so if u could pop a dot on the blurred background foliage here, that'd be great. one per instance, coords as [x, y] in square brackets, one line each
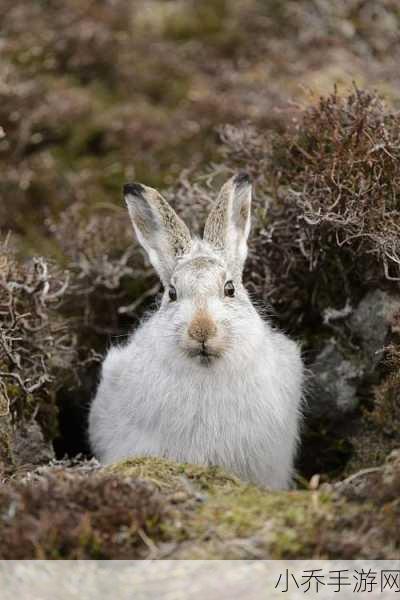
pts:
[94, 93]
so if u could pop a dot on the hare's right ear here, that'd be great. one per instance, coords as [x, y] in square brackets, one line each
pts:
[228, 225]
[160, 231]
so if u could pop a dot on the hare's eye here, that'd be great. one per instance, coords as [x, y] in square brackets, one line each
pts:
[229, 289]
[172, 293]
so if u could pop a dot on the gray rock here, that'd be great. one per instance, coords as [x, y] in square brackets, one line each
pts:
[335, 375]
[334, 383]
[371, 323]
[22, 447]
[30, 447]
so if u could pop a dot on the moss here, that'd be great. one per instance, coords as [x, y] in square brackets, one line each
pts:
[214, 511]
[154, 508]
[283, 522]
[169, 475]
[235, 520]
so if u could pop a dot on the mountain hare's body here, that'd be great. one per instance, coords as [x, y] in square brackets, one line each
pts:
[204, 380]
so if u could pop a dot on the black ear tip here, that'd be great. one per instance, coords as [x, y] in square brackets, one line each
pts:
[242, 178]
[133, 189]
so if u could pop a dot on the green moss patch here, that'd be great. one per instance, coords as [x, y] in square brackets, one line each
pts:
[151, 508]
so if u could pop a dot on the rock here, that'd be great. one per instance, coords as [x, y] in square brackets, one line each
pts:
[371, 323]
[29, 446]
[334, 383]
[336, 375]
[22, 447]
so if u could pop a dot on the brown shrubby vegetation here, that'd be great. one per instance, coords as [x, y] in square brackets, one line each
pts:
[37, 346]
[107, 270]
[377, 432]
[328, 199]
[153, 508]
[38, 356]
[68, 514]
[386, 412]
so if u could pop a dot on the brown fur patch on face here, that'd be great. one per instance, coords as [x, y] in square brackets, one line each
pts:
[201, 263]
[199, 266]
[202, 326]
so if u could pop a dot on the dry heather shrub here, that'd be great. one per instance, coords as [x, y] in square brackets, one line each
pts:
[378, 430]
[365, 525]
[77, 516]
[109, 276]
[36, 344]
[386, 411]
[328, 203]
[54, 323]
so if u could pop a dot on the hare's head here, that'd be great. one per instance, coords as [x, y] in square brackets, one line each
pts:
[207, 308]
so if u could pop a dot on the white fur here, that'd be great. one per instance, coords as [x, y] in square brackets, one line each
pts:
[240, 410]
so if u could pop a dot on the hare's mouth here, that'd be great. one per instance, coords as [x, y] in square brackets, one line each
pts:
[204, 356]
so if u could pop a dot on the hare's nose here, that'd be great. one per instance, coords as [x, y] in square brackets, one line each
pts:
[202, 327]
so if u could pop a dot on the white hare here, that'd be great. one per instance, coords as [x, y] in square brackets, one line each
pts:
[205, 379]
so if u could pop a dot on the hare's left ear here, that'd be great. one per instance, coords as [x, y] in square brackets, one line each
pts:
[158, 228]
[228, 225]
